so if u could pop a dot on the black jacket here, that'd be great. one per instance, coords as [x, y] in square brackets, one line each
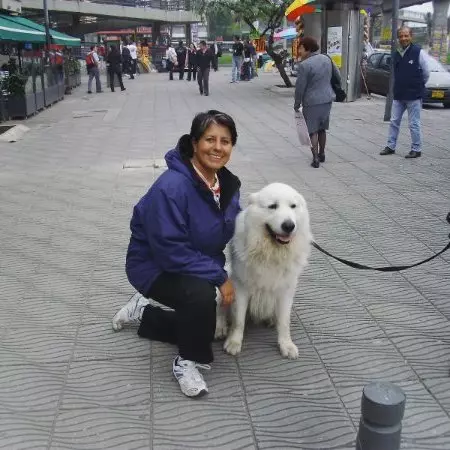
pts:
[192, 58]
[181, 54]
[204, 60]
[114, 59]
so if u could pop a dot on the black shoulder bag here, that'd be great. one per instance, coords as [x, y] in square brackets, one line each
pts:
[336, 85]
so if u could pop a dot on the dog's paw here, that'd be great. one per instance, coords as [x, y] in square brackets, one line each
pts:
[221, 330]
[288, 349]
[232, 346]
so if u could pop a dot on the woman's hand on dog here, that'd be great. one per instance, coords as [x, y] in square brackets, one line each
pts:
[227, 293]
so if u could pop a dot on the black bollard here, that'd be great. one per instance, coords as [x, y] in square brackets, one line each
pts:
[382, 409]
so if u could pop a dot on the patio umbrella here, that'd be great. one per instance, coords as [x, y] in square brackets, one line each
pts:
[296, 4]
[300, 8]
[288, 33]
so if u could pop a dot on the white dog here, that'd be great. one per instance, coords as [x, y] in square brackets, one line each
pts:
[269, 250]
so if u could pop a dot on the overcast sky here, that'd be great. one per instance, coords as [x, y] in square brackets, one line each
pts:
[422, 8]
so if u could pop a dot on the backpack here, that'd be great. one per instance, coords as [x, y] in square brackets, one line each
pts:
[126, 54]
[90, 61]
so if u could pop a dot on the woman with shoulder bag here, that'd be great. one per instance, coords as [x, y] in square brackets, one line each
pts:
[317, 79]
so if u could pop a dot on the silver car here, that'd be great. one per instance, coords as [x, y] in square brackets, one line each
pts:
[437, 89]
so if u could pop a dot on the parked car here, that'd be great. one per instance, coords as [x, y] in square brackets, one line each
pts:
[437, 88]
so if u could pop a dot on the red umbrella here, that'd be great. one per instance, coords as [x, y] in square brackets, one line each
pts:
[301, 10]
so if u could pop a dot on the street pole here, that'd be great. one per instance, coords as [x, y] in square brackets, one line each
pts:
[47, 28]
[389, 98]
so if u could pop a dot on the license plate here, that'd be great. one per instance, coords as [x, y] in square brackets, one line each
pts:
[437, 94]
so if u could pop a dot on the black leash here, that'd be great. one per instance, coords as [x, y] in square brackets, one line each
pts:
[382, 269]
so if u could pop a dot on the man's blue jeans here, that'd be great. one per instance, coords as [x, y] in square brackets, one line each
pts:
[398, 108]
[236, 70]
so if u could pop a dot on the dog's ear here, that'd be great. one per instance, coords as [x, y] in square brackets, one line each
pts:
[253, 198]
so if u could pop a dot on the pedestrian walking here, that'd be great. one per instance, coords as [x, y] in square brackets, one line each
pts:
[246, 72]
[192, 62]
[114, 61]
[411, 73]
[204, 61]
[179, 230]
[181, 51]
[314, 93]
[126, 59]
[216, 53]
[92, 66]
[133, 55]
[172, 60]
[237, 57]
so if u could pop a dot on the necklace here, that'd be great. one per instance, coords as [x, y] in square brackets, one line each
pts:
[215, 188]
[199, 173]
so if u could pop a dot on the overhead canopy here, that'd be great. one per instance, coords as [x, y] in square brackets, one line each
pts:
[57, 37]
[10, 31]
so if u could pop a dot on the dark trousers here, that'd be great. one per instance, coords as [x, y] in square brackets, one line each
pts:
[203, 80]
[192, 72]
[133, 67]
[215, 63]
[192, 323]
[170, 67]
[115, 70]
[181, 65]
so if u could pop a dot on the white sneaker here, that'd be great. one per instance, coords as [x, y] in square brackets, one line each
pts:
[190, 379]
[131, 312]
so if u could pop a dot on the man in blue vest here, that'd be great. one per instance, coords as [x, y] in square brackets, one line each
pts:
[410, 76]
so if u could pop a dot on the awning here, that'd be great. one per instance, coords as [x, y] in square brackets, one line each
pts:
[57, 37]
[10, 31]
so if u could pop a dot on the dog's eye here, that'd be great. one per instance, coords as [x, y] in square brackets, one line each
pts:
[293, 206]
[273, 206]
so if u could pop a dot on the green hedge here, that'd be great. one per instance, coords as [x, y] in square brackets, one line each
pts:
[225, 59]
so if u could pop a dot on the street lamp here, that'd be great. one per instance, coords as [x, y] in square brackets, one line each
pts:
[47, 27]
[389, 98]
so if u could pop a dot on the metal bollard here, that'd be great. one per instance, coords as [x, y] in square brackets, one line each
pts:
[382, 409]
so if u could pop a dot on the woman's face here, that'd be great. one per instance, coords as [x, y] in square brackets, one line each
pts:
[213, 150]
[302, 52]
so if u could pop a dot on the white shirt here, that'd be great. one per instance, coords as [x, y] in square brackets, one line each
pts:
[171, 54]
[133, 51]
[95, 56]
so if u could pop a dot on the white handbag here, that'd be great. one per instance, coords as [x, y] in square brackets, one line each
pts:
[302, 129]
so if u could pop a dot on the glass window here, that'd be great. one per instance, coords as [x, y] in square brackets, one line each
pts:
[374, 59]
[386, 61]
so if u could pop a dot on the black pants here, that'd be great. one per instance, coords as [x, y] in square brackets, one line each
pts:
[203, 80]
[181, 65]
[170, 67]
[115, 70]
[192, 72]
[191, 325]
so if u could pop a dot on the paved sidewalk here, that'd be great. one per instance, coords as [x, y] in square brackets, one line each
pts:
[67, 381]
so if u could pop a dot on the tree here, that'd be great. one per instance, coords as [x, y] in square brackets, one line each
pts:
[269, 12]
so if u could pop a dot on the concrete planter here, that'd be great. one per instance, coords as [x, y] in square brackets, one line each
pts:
[51, 94]
[22, 106]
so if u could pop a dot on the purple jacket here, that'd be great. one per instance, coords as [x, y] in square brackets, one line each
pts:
[177, 227]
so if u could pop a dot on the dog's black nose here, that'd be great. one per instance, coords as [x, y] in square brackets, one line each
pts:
[288, 226]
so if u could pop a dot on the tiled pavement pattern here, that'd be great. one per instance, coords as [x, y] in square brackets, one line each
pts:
[67, 190]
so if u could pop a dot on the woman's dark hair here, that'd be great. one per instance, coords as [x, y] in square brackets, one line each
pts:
[309, 44]
[200, 124]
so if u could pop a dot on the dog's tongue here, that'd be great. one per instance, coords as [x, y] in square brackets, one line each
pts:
[283, 238]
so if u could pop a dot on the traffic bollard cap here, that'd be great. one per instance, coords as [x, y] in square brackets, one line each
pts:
[383, 404]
